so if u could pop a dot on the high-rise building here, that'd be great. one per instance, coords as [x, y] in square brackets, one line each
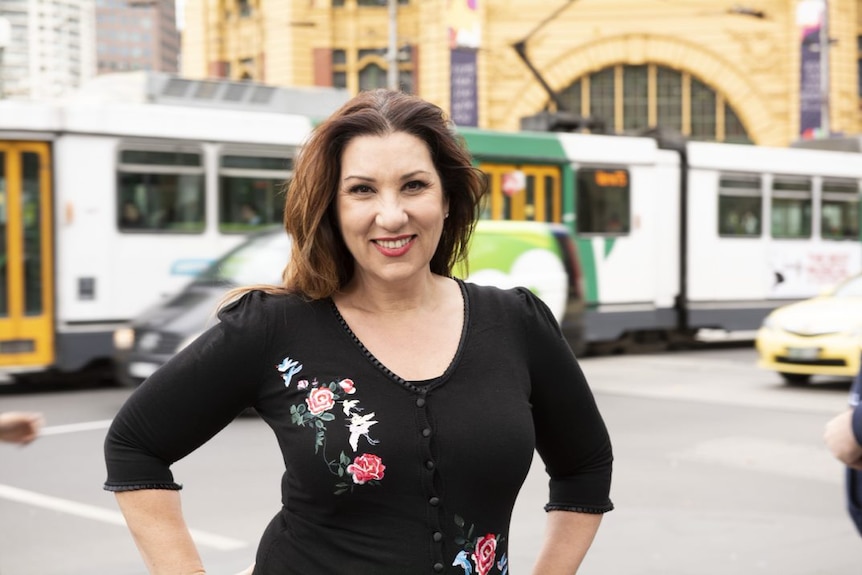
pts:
[760, 71]
[49, 48]
[137, 35]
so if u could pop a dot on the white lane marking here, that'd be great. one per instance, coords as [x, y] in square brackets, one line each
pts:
[202, 538]
[74, 427]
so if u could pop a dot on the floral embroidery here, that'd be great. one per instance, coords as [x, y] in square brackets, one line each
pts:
[320, 399]
[366, 467]
[318, 410]
[480, 550]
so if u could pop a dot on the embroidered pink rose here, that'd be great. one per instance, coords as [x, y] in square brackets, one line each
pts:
[366, 467]
[320, 399]
[347, 386]
[483, 556]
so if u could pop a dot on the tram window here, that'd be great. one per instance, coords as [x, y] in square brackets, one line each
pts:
[252, 191]
[791, 208]
[739, 206]
[485, 212]
[603, 201]
[839, 213]
[160, 191]
[31, 212]
[552, 199]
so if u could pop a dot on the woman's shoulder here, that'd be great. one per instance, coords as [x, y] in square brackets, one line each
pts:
[497, 295]
[515, 301]
[262, 305]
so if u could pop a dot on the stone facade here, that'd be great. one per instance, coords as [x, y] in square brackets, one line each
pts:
[747, 54]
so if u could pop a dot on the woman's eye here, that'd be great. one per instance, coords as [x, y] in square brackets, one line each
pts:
[360, 189]
[415, 186]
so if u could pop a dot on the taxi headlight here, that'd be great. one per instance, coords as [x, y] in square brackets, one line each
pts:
[769, 323]
[124, 338]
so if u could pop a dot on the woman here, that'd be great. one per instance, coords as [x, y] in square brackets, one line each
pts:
[407, 404]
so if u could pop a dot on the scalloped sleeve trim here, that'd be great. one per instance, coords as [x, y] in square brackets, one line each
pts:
[581, 508]
[116, 487]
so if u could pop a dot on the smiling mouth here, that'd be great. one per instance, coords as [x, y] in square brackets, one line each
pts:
[393, 244]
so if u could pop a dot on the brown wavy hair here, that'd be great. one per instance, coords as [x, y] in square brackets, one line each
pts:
[320, 263]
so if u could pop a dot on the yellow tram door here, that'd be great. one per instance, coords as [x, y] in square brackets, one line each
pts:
[26, 256]
[523, 192]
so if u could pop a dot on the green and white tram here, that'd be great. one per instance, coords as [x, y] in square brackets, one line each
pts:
[673, 241]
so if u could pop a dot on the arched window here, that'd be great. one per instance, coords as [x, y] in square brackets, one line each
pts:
[654, 96]
[372, 76]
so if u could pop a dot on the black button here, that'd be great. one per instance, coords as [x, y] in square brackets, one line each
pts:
[435, 501]
[420, 402]
[437, 536]
[438, 568]
[429, 464]
[426, 432]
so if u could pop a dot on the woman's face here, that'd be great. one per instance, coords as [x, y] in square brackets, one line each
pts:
[390, 206]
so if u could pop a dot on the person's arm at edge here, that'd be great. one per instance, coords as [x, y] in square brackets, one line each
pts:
[155, 519]
[568, 537]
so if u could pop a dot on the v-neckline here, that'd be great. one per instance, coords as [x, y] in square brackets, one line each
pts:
[418, 386]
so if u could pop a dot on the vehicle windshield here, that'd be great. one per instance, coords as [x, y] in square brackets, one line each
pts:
[260, 260]
[850, 288]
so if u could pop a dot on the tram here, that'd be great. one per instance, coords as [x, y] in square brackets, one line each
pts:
[108, 205]
[683, 237]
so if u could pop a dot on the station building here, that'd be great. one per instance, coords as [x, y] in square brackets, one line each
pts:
[719, 71]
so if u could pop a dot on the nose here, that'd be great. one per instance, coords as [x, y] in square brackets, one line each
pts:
[390, 213]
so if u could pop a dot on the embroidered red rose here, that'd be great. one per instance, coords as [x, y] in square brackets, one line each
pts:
[347, 386]
[366, 467]
[483, 556]
[319, 399]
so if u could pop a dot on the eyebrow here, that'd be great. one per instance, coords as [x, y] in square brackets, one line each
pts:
[406, 176]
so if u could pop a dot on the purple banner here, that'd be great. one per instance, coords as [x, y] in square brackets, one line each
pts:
[810, 19]
[463, 102]
[809, 84]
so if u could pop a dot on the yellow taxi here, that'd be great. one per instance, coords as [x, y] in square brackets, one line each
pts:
[817, 336]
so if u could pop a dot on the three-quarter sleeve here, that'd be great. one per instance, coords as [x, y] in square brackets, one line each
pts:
[856, 404]
[187, 401]
[571, 436]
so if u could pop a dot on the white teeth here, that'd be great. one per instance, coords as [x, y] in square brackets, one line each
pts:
[393, 244]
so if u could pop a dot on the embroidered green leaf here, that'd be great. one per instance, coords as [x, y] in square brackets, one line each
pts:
[326, 417]
[344, 459]
[319, 424]
[460, 541]
[340, 491]
[459, 521]
[340, 471]
[300, 408]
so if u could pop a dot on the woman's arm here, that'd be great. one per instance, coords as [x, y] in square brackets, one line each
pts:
[155, 519]
[568, 536]
[841, 440]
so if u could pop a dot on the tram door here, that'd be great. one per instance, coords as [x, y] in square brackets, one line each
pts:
[523, 192]
[26, 255]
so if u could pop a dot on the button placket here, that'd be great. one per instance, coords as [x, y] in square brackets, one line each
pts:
[429, 465]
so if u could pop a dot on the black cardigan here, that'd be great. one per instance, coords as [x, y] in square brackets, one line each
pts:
[382, 476]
